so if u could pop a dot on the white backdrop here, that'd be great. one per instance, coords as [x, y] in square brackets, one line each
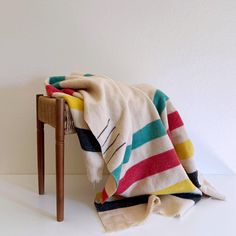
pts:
[186, 48]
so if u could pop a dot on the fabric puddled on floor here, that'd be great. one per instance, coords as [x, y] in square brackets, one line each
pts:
[136, 132]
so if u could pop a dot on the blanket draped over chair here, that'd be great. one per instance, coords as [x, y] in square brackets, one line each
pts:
[139, 135]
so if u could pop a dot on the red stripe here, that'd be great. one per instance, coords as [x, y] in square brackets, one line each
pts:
[174, 120]
[148, 167]
[68, 91]
[169, 134]
[104, 195]
[50, 89]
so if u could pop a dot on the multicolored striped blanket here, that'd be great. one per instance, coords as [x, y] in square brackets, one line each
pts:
[140, 137]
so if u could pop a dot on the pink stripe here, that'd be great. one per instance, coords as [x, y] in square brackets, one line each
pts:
[104, 195]
[68, 91]
[148, 167]
[169, 134]
[50, 89]
[174, 120]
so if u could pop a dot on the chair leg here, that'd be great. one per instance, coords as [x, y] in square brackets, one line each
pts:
[40, 150]
[60, 158]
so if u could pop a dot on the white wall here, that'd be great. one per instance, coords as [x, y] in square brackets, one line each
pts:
[186, 48]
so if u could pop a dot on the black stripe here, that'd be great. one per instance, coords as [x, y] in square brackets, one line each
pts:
[122, 203]
[109, 135]
[194, 178]
[132, 201]
[190, 196]
[87, 140]
[104, 129]
[116, 151]
[111, 143]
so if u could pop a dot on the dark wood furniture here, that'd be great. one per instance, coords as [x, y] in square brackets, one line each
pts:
[54, 112]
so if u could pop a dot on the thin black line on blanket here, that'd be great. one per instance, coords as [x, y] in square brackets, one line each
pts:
[115, 152]
[111, 143]
[104, 128]
[108, 136]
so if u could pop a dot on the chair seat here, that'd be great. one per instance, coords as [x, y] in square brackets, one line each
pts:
[46, 113]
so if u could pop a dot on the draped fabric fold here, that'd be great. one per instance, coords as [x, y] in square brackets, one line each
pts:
[136, 132]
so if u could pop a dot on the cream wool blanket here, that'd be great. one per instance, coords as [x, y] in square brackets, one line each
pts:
[139, 135]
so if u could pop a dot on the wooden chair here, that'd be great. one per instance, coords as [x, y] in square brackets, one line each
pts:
[54, 112]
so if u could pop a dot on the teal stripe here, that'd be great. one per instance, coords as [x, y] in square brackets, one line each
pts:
[159, 101]
[149, 132]
[128, 151]
[116, 173]
[88, 75]
[57, 85]
[56, 79]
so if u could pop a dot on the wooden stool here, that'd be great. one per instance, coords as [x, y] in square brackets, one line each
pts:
[54, 112]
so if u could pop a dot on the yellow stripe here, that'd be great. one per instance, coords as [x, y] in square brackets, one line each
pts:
[74, 103]
[98, 197]
[184, 150]
[184, 186]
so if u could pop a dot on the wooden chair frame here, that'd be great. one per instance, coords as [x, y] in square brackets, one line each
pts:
[56, 119]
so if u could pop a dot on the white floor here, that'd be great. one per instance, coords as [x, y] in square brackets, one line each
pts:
[24, 212]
